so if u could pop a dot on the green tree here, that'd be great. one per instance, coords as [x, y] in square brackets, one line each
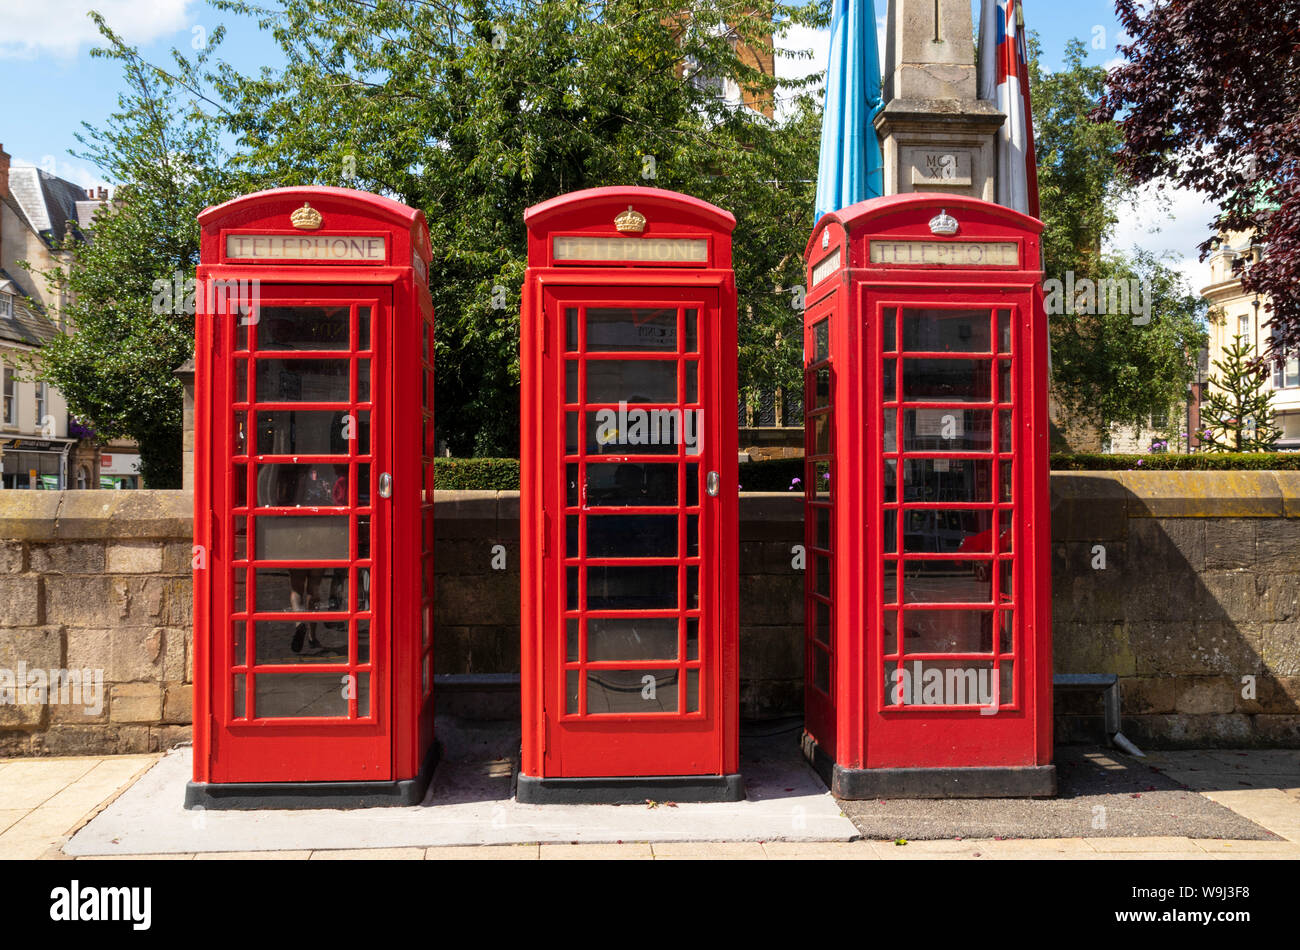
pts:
[1110, 365]
[473, 112]
[115, 365]
[1237, 415]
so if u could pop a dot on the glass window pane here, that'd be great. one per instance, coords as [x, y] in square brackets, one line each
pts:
[631, 381]
[639, 638]
[300, 538]
[571, 382]
[297, 641]
[571, 681]
[946, 381]
[946, 532]
[303, 328]
[631, 588]
[629, 484]
[1006, 639]
[572, 626]
[302, 589]
[630, 329]
[946, 331]
[822, 388]
[1004, 331]
[309, 432]
[948, 582]
[300, 695]
[302, 381]
[571, 329]
[315, 485]
[947, 430]
[821, 670]
[692, 691]
[822, 341]
[822, 535]
[944, 683]
[822, 435]
[692, 331]
[692, 639]
[891, 481]
[631, 691]
[363, 328]
[822, 622]
[953, 480]
[948, 631]
[890, 644]
[631, 536]
[890, 330]
[642, 431]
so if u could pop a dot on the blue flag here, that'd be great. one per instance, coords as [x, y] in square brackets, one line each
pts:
[851, 168]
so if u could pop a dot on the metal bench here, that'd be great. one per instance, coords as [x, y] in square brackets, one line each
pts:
[1108, 685]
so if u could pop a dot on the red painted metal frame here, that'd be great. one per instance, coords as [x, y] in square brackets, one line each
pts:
[854, 721]
[555, 743]
[402, 727]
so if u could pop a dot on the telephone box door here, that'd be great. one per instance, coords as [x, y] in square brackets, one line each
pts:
[301, 654]
[634, 460]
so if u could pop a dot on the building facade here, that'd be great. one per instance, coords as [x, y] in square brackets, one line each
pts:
[1245, 315]
[41, 447]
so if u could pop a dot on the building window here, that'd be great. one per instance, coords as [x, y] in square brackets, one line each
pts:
[1243, 327]
[83, 478]
[1287, 375]
[41, 401]
[7, 305]
[10, 398]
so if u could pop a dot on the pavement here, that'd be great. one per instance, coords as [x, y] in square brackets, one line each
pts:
[1200, 805]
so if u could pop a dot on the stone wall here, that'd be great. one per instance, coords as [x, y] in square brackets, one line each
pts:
[97, 580]
[1200, 588]
[1197, 608]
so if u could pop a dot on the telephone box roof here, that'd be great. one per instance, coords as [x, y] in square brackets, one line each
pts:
[852, 217]
[539, 214]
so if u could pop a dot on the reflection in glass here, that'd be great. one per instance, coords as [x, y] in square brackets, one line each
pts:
[299, 695]
[946, 381]
[947, 430]
[891, 582]
[630, 381]
[1006, 639]
[948, 582]
[1008, 683]
[948, 631]
[822, 341]
[631, 588]
[571, 692]
[953, 480]
[289, 641]
[822, 435]
[891, 481]
[1004, 430]
[302, 590]
[946, 532]
[1004, 331]
[241, 381]
[635, 638]
[630, 329]
[303, 328]
[943, 683]
[822, 388]
[692, 691]
[891, 430]
[641, 431]
[312, 432]
[946, 331]
[302, 381]
[315, 485]
[631, 691]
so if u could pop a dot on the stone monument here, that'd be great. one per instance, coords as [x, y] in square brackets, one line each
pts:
[936, 133]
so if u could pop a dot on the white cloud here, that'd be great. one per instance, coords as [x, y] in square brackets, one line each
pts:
[61, 27]
[1174, 221]
[74, 172]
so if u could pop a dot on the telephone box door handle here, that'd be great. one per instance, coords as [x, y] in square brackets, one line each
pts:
[385, 485]
[713, 483]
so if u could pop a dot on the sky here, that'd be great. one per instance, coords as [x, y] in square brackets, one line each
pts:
[56, 85]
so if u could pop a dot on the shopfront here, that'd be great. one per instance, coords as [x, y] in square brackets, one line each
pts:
[313, 503]
[928, 607]
[629, 500]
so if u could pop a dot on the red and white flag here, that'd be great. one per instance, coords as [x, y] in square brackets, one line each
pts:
[1004, 79]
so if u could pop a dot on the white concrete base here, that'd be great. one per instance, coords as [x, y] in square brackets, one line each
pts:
[469, 803]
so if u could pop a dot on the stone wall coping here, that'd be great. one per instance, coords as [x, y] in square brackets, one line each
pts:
[96, 514]
[152, 514]
[1185, 494]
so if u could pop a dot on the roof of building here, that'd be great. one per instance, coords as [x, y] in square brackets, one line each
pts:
[50, 204]
[29, 325]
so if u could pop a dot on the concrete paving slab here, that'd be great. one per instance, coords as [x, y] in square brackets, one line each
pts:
[489, 852]
[471, 803]
[1217, 846]
[1270, 808]
[819, 851]
[137, 857]
[1159, 846]
[11, 816]
[930, 850]
[253, 856]
[628, 851]
[370, 854]
[709, 851]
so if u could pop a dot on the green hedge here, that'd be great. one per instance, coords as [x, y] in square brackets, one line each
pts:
[476, 474]
[1168, 462]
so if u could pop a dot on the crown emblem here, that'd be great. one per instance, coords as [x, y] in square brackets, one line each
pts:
[630, 222]
[944, 224]
[306, 218]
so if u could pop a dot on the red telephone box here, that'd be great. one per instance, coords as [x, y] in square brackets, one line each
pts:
[928, 607]
[313, 503]
[629, 500]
